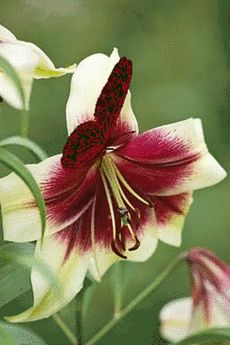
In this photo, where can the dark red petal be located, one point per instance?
(84, 145)
(77, 235)
(156, 146)
(68, 193)
(152, 178)
(113, 95)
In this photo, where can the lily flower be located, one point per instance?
(209, 305)
(112, 193)
(29, 61)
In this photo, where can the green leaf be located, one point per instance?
(6, 67)
(210, 336)
(88, 297)
(5, 337)
(12, 271)
(18, 335)
(21, 170)
(120, 276)
(27, 143)
(25, 258)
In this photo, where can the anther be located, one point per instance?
(136, 245)
(116, 251)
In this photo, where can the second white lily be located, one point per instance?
(30, 62)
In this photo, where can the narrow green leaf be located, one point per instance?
(210, 336)
(21, 170)
(27, 143)
(120, 277)
(5, 337)
(18, 335)
(12, 271)
(6, 67)
(88, 296)
(25, 258)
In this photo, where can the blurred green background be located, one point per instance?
(180, 51)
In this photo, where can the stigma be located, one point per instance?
(119, 207)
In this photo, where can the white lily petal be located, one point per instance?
(175, 319)
(87, 83)
(100, 262)
(30, 62)
(6, 34)
(173, 158)
(24, 62)
(148, 239)
(45, 67)
(21, 222)
(170, 231)
(70, 273)
(206, 171)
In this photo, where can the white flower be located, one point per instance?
(112, 193)
(29, 61)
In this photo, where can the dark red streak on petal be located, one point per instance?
(68, 194)
(168, 206)
(78, 235)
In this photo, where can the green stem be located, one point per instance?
(134, 303)
(78, 312)
(117, 288)
(24, 127)
(65, 329)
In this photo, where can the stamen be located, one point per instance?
(125, 198)
(121, 239)
(110, 175)
(115, 249)
(127, 186)
(137, 242)
(107, 192)
(136, 245)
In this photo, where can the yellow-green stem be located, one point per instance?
(24, 127)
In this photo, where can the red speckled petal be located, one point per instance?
(113, 94)
(88, 81)
(88, 140)
(84, 146)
